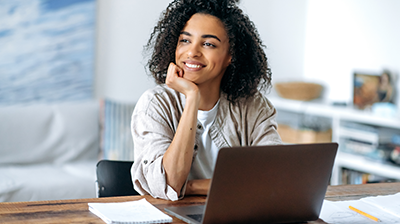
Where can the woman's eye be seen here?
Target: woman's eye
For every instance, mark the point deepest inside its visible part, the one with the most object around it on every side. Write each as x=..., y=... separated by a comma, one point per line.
x=209, y=44
x=184, y=41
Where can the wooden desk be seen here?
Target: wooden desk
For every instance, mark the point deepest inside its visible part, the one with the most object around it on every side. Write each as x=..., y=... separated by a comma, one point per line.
x=76, y=211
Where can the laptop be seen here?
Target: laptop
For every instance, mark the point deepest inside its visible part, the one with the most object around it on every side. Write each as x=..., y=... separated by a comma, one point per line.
x=265, y=184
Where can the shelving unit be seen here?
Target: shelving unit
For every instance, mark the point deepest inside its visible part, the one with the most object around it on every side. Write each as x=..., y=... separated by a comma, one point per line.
x=340, y=114
x=366, y=165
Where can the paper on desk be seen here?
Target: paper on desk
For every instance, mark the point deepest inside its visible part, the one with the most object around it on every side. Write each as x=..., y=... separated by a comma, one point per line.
x=388, y=203
x=339, y=212
x=129, y=212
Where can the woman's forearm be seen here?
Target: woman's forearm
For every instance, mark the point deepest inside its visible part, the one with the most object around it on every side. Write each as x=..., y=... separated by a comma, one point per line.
x=198, y=187
x=177, y=159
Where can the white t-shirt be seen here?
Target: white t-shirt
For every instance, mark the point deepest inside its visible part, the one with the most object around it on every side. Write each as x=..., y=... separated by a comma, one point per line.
x=207, y=151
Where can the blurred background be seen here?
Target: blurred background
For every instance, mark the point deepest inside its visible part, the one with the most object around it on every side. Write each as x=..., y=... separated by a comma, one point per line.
x=322, y=41
x=54, y=52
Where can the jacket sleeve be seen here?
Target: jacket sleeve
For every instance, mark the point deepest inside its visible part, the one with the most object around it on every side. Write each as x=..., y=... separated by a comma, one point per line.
x=152, y=134
x=264, y=128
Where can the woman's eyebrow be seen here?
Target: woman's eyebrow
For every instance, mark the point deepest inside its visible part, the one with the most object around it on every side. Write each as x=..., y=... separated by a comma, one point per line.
x=203, y=36
x=210, y=36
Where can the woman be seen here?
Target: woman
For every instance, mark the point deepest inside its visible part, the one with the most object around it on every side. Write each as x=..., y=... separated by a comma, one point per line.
x=385, y=89
x=209, y=63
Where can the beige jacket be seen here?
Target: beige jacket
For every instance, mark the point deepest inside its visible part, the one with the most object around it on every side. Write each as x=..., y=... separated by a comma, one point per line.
x=155, y=120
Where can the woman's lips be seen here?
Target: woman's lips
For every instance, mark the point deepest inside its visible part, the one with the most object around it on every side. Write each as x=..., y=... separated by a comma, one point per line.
x=193, y=65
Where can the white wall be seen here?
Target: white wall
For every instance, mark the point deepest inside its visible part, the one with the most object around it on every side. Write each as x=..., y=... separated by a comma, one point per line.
x=123, y=28
x=281, y=24
x=323, y=41
x=347, y=35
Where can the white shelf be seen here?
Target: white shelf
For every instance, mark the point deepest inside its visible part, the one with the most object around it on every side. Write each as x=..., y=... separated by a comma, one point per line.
x=372, y=138
x=366, y=165
x=339, y=112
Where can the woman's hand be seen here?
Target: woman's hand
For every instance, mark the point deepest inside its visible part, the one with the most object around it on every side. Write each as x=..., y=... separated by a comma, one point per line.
x=176, y=81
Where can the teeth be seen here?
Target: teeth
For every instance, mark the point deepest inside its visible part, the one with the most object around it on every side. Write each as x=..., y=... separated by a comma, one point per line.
x=193, y=66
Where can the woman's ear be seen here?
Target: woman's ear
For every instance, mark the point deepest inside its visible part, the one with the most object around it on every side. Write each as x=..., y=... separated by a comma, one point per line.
x=229, y=61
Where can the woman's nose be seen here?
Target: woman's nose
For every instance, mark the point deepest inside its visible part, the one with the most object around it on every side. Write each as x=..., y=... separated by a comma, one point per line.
x=194, y=51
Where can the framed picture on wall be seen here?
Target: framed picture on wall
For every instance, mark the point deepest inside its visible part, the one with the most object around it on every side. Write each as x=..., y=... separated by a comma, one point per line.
x=369, y=88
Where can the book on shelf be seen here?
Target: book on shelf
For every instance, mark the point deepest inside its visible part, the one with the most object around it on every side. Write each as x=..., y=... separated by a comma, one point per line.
x=370, y=134
x=357, y=177
x=357, y=146
x=376, y=143
x=367, y=135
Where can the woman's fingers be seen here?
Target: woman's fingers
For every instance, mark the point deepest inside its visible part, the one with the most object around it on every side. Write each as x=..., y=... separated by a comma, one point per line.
x=176, y=81
x=173, y=73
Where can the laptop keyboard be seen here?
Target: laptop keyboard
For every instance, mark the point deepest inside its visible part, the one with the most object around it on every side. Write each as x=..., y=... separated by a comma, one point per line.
x=197, y=217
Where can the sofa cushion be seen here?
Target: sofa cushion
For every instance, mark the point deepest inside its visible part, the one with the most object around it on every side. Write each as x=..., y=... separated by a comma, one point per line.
x=48, y=181
x=7, y=186
x=49, y=133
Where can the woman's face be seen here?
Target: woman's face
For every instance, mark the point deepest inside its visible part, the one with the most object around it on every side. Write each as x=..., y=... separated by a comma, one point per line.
x=203, y=50
x=385, y=78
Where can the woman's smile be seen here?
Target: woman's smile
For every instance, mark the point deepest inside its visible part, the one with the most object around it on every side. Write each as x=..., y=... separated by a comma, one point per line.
x=193, y=65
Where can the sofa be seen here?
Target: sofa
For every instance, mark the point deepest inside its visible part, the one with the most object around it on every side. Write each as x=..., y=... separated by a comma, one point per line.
x=49, y=151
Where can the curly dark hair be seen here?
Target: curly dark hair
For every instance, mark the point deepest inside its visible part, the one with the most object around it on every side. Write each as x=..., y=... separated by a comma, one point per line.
x=248, y=71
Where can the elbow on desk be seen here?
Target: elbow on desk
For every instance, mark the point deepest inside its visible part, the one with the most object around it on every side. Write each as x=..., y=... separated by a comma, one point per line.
x=155, y=186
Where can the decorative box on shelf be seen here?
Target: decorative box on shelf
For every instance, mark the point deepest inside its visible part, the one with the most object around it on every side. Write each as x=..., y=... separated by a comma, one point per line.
x=292, y=135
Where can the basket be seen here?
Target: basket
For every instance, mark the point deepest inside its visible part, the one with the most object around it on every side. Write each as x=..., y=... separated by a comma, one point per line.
x=296, y=136
x=303, y=91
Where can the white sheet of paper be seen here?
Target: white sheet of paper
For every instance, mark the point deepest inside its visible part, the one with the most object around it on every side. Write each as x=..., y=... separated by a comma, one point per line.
x=389, y=203
x=140, y=211
x=338, y=212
